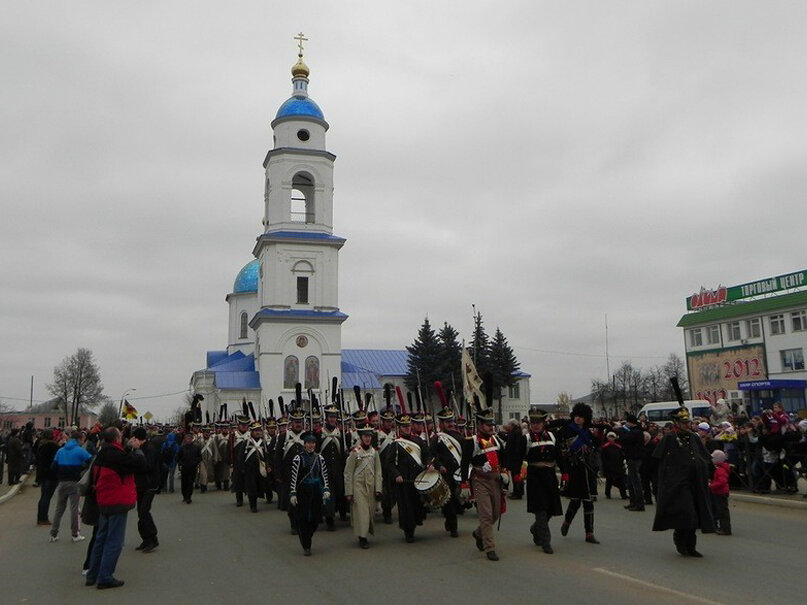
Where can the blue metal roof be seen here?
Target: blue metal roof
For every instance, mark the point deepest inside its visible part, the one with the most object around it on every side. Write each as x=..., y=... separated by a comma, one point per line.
x=213, y=357
x=376, y=361
x=313, y=235
x=300, y=107
x=247, y=278
x=298, y=313
x=238, y=380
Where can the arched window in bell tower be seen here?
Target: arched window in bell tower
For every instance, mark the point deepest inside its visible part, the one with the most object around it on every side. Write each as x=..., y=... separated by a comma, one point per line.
x=302, y=198
x=301, y=272
x=244, y=324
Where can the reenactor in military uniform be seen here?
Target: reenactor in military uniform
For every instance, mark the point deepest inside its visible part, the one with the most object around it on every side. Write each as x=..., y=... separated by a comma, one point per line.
x=289, y=445
x=221, y=468
x=238, y=440
x=408, y=457
x=331, y=448
x=386, y=436
x=484, y=472
x=447, y=450
x=255, y=464
x=363, y=478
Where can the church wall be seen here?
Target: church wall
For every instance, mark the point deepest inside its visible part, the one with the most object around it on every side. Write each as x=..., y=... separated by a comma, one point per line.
x=279, y=285
x=282, y=340
x=237, y=303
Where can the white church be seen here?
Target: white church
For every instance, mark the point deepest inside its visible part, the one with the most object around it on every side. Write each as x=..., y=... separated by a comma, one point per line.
x=285, y=325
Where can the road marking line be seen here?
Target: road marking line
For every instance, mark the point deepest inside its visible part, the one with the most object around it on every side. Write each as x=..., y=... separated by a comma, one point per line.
x=658, y=587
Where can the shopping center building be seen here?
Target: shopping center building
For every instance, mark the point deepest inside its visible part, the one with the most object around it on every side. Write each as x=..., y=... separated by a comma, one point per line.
x=746, y=343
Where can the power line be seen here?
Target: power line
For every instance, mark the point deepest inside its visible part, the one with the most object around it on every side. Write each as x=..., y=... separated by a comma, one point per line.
x=597, y=355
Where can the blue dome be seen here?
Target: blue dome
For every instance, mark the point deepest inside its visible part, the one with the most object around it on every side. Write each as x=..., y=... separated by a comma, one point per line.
x=247, y=279
x=299, y=106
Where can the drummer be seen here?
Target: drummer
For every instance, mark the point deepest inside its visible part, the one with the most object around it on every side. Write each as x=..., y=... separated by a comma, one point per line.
x=447, y=450
x=408, y=457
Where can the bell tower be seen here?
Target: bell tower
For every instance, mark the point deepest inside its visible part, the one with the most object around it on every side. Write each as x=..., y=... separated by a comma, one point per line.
x=298, y=324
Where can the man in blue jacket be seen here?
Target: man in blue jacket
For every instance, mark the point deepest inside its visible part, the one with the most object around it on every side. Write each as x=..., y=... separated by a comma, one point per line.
x=70, y=461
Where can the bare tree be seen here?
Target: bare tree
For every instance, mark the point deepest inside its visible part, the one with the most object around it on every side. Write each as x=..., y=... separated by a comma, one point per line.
x=675, y=366
x=77, y=383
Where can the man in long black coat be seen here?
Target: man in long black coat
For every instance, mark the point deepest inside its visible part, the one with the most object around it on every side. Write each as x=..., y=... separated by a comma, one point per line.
x=683, y=503
x=408, y=456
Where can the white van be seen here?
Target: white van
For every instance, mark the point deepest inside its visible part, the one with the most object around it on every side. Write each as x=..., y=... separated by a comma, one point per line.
x=659, y=412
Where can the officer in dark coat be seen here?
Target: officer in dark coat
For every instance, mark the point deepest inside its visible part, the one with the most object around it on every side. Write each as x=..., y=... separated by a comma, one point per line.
x=540, y=452
x=683, y=503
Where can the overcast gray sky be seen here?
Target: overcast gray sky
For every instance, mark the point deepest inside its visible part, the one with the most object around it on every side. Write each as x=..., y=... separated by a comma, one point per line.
x=549, y=162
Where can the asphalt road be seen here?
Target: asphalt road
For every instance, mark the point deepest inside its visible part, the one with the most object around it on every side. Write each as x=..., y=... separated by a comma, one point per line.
x=212, y=552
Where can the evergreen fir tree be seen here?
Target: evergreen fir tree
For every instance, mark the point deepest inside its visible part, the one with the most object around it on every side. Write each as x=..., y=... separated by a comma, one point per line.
x=451, y=361
x=503, y=365
x=425, y=355
x=480, y=347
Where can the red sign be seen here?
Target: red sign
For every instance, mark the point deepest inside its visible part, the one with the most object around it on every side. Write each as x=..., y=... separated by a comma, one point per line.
x=706, y=298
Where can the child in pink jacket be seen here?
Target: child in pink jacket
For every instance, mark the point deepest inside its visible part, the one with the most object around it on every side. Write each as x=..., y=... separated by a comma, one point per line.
x=720, y=493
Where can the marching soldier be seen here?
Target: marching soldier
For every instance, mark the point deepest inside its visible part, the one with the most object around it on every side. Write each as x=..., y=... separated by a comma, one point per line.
x=577, y=449
x=332, y=452
x=386, y=436
x=221, y=468
x=408, y=457
x=237, y=443
x=540, y=453
x=447, y=449
x=209, y=457
x=289, y=446
x=270, y=441
x=308, y=490
x=255, y=464
x=363, y=484
x=484, y=473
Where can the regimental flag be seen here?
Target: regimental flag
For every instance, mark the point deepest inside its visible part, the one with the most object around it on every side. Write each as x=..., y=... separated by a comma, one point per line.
x=471, y=382
x=129, y=412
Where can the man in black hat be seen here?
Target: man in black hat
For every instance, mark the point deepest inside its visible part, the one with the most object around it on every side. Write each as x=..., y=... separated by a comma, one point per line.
x=541, y=454
x=332, y=452
x=289, y=445
x=577, y=469
x=484, y=472
x=408, y=457
x=255, y=464
x=632, y=441
x=308, y=490
x=447, y=451
x=683, y=502
x=386, y=435
x=238, y=443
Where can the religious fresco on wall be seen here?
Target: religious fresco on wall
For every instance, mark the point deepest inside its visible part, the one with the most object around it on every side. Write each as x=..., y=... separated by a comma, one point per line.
x=311, y=373
x=712, y=374
x=291, y=372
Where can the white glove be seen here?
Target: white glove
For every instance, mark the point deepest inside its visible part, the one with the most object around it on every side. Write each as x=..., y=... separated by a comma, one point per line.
x=505, y=479
x=293, y=500
x=486, y=467
x=326, y=495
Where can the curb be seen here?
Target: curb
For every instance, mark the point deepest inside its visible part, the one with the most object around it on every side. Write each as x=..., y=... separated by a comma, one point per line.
x=802, y=504
x=13, y=491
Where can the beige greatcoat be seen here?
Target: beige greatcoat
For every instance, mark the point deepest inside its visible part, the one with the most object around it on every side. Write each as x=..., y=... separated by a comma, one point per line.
x=363, y=481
